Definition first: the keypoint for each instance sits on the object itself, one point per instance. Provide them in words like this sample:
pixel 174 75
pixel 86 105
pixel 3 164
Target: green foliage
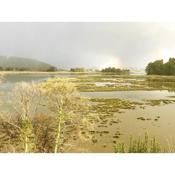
pixel 169 67
pixel 146 145
pixel 80 69
pixel 116 71
pixel 51 69
pixel 160 68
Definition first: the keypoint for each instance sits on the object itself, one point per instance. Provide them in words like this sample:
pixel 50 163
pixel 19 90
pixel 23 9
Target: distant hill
pixel 22 64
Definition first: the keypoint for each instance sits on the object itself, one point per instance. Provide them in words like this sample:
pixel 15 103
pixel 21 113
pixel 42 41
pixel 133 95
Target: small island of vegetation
pixel 78 69
pixel 116 71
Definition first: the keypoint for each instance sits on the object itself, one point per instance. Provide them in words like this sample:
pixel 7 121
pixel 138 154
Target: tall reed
pixel 146 145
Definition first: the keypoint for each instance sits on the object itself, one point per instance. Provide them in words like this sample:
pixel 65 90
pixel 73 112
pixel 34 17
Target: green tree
pixel 155 68
pixel 52 69
pixel 80 69
pixel 169 67
pixel 115 70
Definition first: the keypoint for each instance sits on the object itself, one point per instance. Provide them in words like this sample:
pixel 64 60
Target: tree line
pixel 116 71
pixel 158 67
pixel 50 69
pixel 78 69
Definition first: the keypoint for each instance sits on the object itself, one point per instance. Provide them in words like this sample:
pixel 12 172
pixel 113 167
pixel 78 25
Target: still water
pixel 131 95
pixel 163 129
pixel 10 80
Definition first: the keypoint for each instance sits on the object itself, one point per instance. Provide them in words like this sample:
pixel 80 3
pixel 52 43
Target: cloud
pixel 89 44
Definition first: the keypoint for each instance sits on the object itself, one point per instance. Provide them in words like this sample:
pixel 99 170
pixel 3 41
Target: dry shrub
pixel 44 129
pixel 10 134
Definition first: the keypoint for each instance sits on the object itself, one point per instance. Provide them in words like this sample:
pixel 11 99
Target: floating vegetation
pixel 116 136
pixel 102 126
pixel 111 106
pixel 111 82
pixel 159 102
pixel 94 140
pixel 104 145
pixel 157 118
pixel 105 132
pixel 143 119
pixel 114 121
pixel 114 141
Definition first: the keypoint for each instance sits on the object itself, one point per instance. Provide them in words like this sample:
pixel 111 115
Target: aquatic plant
pixel 86 83
pixel 111 106
pixel 146 145
pixel 159 102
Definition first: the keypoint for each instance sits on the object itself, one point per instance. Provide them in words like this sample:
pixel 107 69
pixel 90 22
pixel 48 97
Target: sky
pixel 92 45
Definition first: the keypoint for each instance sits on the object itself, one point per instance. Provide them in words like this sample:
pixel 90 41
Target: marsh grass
pixel 145 145
pixel 111 106
pixel 85 83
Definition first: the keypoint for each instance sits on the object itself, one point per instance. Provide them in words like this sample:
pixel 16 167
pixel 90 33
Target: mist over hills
pixel 20 63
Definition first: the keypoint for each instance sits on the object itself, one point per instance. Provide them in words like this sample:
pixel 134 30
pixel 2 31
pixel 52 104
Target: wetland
pixel 121 106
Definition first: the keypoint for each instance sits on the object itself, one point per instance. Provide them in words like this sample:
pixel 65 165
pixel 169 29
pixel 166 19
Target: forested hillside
pixel 22 64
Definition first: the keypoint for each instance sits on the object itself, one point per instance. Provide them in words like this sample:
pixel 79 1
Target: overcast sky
pixel 94 45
